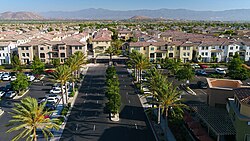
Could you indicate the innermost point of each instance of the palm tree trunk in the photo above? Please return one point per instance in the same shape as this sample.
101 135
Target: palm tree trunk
63 100
66 92
34 135
159 114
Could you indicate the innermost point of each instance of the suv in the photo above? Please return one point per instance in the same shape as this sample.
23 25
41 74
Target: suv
220 71
53 96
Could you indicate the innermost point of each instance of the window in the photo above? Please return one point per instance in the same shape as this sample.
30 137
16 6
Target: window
158 55
206 48
27 48
62 48
230 54
152 48
0 54
76 48
202 53
184 48
23 54
3 55
236 47
27 54
178 48
42 55
97 42
184 54
1 48
80 48
62 54
188 48
144 48
206 54
158 48
48 47
152 55
202 48
171 48
170 55
223 47
22 48
188 54
41 48
166 47
213 47
231 48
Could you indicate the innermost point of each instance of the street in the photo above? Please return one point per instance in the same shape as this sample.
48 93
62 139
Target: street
89 121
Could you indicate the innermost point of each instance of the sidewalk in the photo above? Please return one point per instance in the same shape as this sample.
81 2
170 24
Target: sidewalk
156 128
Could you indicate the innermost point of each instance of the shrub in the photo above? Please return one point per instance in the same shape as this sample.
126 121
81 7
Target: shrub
65 110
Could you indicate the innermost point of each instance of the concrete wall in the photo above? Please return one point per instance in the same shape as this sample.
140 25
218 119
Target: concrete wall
218 96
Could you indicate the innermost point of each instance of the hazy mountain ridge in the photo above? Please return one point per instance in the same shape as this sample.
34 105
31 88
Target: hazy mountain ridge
20 16
227 15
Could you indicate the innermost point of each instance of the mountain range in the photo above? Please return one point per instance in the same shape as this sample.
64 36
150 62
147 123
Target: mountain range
102 14
179 14
20 16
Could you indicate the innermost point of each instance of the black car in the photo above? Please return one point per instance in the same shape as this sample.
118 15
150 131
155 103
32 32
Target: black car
202 85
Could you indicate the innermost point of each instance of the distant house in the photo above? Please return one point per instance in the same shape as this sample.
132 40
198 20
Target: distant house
5 52
101 42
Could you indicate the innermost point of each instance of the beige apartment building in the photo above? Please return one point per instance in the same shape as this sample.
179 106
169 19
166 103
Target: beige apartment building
160 50
101 41
49 50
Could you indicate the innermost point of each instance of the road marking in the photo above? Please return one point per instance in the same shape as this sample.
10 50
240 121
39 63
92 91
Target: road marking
98 94
127 93
125 86
84 101
203 92
135 126
76 127
94 128
86 94
128 101
97 101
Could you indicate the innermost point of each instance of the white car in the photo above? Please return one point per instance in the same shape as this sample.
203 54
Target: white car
13 78
220 71
10 94
2 93
6 77
195 66
56 90
52 96
52 99
31 78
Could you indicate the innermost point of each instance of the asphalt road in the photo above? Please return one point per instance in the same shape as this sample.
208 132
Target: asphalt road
89 121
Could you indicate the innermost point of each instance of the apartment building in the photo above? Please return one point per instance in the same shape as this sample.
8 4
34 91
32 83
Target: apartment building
238 108
49 50
101 41
5 52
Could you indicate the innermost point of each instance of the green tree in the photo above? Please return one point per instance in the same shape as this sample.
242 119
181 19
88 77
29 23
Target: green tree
21 82
115 49
171 65
37 65
185 73
236 70
56 62
142 63
29 116
62 74
15 62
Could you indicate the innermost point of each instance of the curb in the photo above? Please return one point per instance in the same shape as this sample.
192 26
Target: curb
18 97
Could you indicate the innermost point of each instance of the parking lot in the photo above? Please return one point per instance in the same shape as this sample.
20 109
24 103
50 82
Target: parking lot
37 90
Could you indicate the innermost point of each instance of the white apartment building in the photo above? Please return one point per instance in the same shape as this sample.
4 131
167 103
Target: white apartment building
5 52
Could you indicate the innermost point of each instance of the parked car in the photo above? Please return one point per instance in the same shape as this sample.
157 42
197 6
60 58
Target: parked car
52 99
31 78
202 85
203 66
56 90
2 93
158 66
3 89
195 66
8 87
50 105
201 72
10 94
12 78
49 71
220 71
6 77
52 96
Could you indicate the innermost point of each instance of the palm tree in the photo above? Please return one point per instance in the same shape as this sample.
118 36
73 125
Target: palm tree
28 117
169 98
142 63
62 74
75 62
132 60
114 49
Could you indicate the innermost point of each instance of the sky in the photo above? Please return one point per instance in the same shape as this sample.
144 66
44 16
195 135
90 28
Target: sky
71 5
